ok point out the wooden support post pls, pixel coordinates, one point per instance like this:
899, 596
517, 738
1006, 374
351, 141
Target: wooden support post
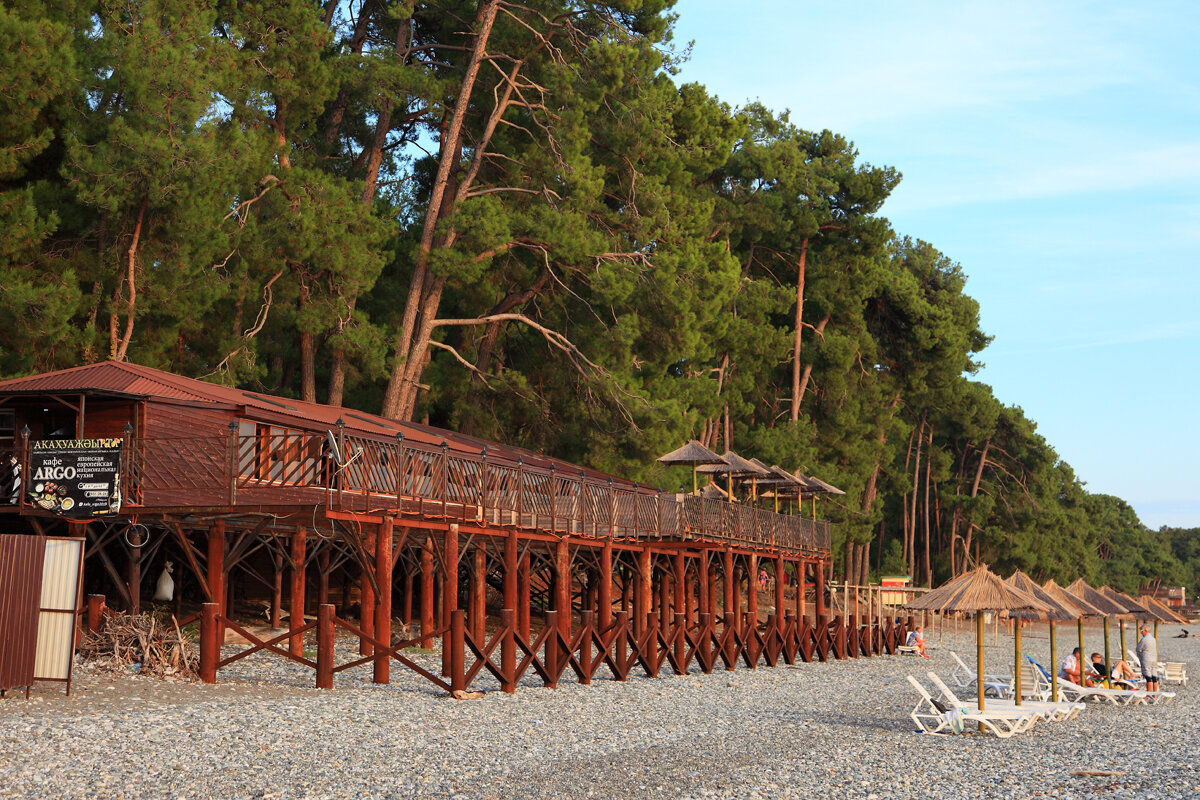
779, 576
702, 577
135, 572
641, 594
296, 600
801, 601
478, 597
427, 594
277, 590
508, 645
729, 584
562, 586
524, 601
210, 648
383, 601
366, 606
95, 612
450, 597
752, 590
820, 592
604, 592
406, 597
679, 568
458, 630
738, 620
323, 577
508, 651
325, 644
216, 573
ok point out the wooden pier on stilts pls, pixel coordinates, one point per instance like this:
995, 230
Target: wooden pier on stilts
514, 563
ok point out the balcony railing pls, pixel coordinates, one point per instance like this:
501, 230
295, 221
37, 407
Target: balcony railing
283, 467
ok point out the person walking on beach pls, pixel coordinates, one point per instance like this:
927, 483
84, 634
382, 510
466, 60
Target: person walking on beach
1147, 653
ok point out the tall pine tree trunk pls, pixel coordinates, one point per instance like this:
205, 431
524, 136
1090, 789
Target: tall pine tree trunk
800, 269
424, 291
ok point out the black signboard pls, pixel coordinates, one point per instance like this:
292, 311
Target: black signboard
78, 478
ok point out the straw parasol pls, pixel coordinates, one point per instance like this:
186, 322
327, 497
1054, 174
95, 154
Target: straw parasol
692, 454
1110, 608
1057, 613
1156, 605
783, 483
814, 487
1079, 606
731, 465
977, 591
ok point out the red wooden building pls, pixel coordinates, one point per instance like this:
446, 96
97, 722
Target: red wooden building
483, 546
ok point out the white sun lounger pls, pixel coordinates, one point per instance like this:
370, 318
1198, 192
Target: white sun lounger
1118, 697
1053, 712
1175, 672
931, 718
964, 678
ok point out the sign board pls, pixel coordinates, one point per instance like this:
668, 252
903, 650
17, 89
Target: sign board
75, 478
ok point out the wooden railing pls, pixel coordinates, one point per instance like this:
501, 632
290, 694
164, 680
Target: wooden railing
294, 467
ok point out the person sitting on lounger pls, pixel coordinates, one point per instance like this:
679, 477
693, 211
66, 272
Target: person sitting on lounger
1071, 670
917, 639
1121, 675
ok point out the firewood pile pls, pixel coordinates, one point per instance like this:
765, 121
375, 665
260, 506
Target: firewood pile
125, 640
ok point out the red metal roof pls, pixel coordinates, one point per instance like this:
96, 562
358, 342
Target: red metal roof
141, 381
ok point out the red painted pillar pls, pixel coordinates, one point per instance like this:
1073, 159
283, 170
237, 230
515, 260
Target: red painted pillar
680, 569
406, 598
216, 574
508, 645
383, 602
427, 594
478, 600
562, 586
449, 591
524, 602
702, 577
752, 590
366, 611
325, 646
801, 579
779, 601
820, 592
604, 593
730, 584
210, 649
642, 594
296, 594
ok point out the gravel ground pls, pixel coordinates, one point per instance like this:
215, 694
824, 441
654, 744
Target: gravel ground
813, 730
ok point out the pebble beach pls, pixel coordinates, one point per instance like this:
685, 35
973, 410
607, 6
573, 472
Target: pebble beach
840, 729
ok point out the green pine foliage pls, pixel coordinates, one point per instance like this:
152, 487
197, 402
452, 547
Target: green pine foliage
241, 190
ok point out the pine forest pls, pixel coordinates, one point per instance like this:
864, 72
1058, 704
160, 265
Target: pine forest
515, 221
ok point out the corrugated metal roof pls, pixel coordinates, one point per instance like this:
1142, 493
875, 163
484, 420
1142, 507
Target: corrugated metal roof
135, 379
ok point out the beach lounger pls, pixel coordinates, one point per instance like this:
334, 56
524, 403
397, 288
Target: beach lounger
1054, 712
931, 716
1118, 697
1175, 672
964, 678
1034, 684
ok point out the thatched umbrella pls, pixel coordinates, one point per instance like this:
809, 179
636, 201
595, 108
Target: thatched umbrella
692, 454
1110, 608
816, 486
1078, 606
1154, 604
782, 483
977, 591
1057, 613
731, 465
1133, 608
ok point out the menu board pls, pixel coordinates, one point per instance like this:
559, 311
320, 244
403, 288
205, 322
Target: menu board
77, 478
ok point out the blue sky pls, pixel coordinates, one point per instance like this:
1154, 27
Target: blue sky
1053, 150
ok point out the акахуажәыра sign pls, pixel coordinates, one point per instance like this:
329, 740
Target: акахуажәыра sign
78, 478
